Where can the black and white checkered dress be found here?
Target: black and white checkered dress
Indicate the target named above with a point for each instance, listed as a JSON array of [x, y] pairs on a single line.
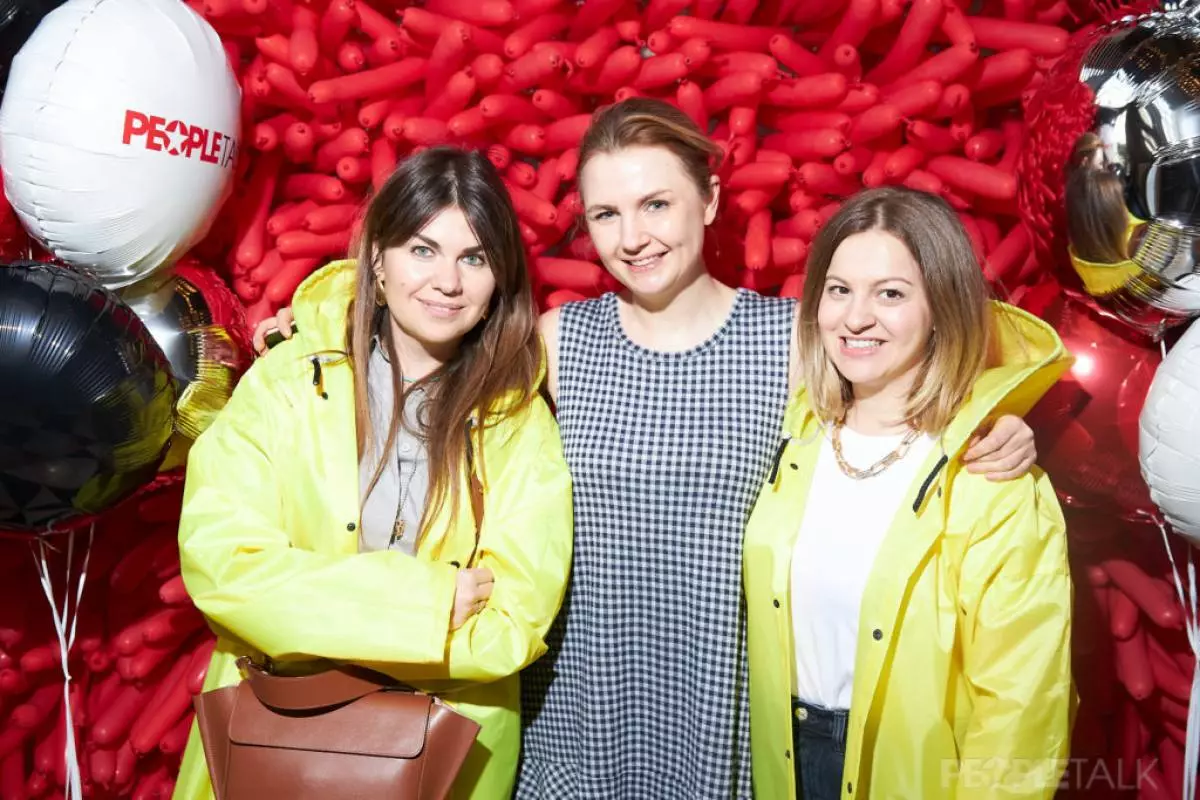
[[643, 695]]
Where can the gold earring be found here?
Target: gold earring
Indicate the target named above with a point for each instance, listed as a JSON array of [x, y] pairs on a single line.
[[380, 297]]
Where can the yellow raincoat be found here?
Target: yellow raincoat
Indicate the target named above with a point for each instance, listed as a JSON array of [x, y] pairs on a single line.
[[269, 546], [962, 679], [1100, 279]]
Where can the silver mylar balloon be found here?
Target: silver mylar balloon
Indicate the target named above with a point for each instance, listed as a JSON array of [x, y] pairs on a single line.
[[203, 356], [169, 314], [1133, 191]]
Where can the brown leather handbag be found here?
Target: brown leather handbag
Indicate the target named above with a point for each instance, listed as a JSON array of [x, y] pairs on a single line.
[[345, 732]]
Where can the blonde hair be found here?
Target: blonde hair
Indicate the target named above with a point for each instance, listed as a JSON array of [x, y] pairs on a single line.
[[646, 122], [958, 300]]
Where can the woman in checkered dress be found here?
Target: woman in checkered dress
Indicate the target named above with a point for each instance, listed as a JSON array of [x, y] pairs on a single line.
[[670, 399]]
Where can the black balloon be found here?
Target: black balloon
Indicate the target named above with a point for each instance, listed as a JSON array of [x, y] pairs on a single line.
[[18, 20], [86, 397]]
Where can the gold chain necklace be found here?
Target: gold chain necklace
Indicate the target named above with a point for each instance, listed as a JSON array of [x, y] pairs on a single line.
[[880, 465]]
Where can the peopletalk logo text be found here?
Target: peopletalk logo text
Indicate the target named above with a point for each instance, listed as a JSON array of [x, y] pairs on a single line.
[[178, 138]]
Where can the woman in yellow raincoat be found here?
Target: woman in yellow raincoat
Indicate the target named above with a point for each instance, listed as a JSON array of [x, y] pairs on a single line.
[[1099, 225], [301, 541], [909, 622]]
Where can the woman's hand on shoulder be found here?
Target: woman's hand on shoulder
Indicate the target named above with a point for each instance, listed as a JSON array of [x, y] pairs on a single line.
[[281, 323], [1005, 452]]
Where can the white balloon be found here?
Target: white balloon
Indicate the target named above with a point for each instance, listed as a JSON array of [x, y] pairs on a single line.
[[1169, 436], [119, 131]]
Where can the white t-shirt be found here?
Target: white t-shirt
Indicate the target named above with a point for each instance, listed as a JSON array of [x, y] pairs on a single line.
[[845, 521]]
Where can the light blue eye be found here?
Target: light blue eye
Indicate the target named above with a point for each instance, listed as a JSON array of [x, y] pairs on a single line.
[[421, 251], [474, 261]]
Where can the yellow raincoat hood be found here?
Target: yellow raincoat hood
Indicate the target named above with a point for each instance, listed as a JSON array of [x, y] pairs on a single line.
[[269, 544], [962, 684], [322, 302]]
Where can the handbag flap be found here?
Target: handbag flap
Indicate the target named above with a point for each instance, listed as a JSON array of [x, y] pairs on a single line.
[[388, 724]]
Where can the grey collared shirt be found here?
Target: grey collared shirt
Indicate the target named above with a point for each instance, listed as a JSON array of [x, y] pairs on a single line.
[[400, 491]]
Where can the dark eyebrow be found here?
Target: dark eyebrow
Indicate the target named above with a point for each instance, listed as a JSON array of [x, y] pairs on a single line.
[[879, 282], [470, 251], [644, 198]]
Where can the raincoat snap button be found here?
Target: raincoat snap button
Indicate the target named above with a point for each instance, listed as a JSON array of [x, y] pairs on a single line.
[[850, 788], [878, 634], [776, 602], [350, 526], [794, 466], [787, 753], [802, 714]]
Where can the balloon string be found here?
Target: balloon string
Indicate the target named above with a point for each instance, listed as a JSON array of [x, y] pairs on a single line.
[[87, 557], [1191, 754], [63, 621], [1192, 741]]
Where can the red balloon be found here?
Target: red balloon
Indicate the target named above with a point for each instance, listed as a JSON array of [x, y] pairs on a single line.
[[1087, 424], [15, 243]]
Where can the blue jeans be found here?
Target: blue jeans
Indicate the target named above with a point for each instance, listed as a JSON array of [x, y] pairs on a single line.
[[819, 742]]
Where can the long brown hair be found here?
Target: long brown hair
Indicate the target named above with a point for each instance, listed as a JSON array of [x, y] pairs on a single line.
[[496, 369], [958, 298], [1095, 198]]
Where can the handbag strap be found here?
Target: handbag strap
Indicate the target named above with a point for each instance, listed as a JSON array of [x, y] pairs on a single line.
[[476, 492], [477, 504], [301, 693]]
